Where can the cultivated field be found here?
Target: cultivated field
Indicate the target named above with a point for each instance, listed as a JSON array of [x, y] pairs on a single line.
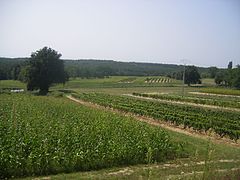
[[201, 100], [135, 129], [223, 123], [42, 135]]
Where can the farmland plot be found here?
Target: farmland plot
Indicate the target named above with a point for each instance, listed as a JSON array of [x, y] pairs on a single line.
[[47, 135], [158, 80], [198, 100], [221, 122]]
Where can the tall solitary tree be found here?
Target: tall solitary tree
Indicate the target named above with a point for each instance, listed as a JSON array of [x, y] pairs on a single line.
[[45, 68], [192, 75], [230, 64]]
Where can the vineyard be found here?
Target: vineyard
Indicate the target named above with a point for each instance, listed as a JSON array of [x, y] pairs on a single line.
[[47, 135], [222, 91], [221, 122], [197, 100], [158, 80]]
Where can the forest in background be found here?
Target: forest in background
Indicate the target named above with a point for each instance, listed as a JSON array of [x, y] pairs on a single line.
[[10, 68], [15, 68]]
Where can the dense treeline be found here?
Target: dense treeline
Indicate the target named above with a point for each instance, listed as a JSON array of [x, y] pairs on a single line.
[[11, 68], [229, 77], [101, 68], [14, 68]]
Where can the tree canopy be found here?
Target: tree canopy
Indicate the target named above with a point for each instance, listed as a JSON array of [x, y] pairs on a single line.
[[213, 71], [230, 77], [230, 64], [44, 69], [192, 75], [236, 77]]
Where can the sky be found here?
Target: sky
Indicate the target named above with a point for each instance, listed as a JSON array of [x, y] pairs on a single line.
[[198, 32]]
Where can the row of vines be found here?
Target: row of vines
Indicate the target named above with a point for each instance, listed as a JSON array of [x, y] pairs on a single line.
[[222, 122], [222, 91], [158, 80], [197, 100], [47, 135]]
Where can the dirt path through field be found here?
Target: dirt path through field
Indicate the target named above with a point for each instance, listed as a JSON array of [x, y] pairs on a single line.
[[186, 103], [169, 170], [159, 123]]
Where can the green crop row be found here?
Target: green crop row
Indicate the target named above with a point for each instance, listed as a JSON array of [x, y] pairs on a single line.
[[221, 91], [223, 123], [158, 80], [47, 135], [215, 102]]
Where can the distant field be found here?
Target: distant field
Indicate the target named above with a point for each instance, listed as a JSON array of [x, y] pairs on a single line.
[[11, 84], [209, 82], [117, 82], [161, 80]]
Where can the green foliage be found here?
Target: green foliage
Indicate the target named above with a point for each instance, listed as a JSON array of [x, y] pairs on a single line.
[[222, 122], [42, 135], [103, 68], [230, 78], [177, 75], [220, 78], [9, 68], [230, 64], [45, 68], [221, 91], [197, 100], [213, 71], [236, 77], [192, 75]]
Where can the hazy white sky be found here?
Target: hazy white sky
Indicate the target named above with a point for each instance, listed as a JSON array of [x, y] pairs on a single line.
[[205, 32]]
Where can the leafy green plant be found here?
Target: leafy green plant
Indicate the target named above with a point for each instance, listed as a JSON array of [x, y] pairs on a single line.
[[223, 123], [47, 135], [197, 100]]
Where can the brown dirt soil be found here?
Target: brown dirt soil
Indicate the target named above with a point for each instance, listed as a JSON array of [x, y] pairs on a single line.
[[187, 131]]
